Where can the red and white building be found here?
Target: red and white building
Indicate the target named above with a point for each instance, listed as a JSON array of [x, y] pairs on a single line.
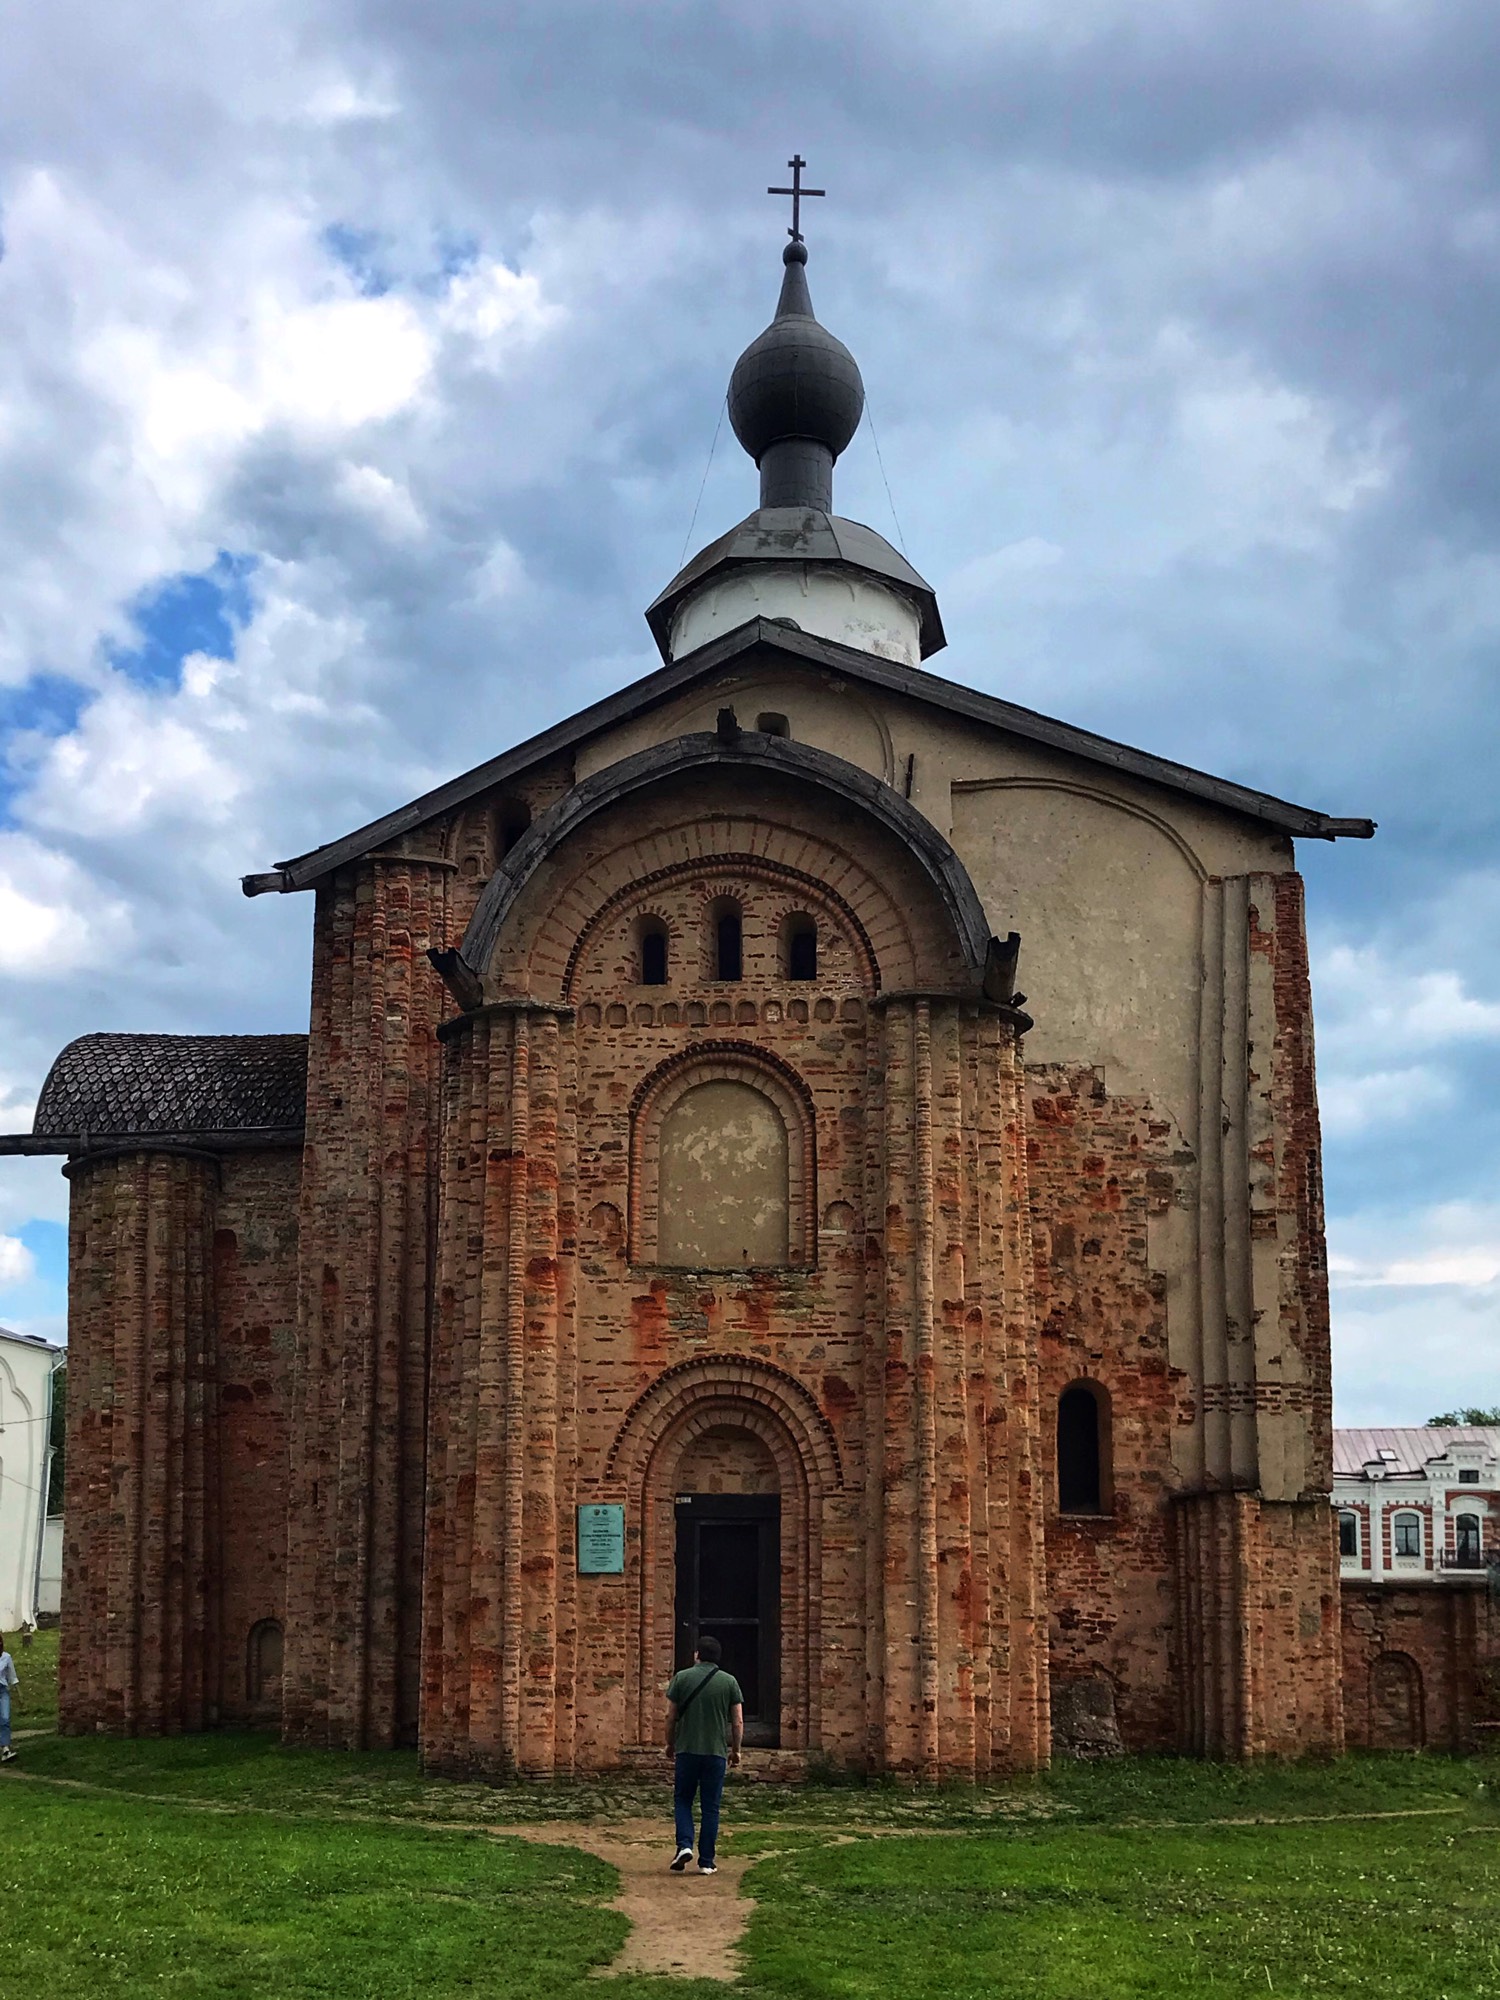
[[1419, 1566]]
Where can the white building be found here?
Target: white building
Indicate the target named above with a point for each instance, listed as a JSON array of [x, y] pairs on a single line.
[[26, 1366], [1416, 1505]]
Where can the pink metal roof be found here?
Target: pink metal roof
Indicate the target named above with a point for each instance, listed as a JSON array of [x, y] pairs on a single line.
[[1413, 1445]]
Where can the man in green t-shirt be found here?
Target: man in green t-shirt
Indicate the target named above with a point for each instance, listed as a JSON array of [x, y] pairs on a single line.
[[705, 1727]]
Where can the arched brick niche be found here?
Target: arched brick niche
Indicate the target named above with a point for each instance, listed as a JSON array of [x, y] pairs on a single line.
[[723, 1163], [700, 1408], [1397, 1720]]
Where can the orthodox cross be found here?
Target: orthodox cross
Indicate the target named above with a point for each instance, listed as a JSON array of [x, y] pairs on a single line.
[[797, 191]]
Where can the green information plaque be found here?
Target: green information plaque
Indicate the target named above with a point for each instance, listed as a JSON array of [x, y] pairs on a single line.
[[601, 1541]]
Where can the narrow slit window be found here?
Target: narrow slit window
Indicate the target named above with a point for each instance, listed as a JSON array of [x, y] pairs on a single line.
[[729, 942], [1080, 1485], [802, 949], [1348, 1534], [653, 954]]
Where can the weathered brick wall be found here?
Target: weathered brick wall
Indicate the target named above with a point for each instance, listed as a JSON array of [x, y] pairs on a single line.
[[140, 1611], [1294, 1365], [368, 1193], [1421, 1665], [357, 1502], [1257, 1669], [1100, 1167], [891, 1379], [255, 1299]]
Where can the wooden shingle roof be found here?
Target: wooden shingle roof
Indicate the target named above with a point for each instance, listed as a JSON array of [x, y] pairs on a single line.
[[216, 1090]]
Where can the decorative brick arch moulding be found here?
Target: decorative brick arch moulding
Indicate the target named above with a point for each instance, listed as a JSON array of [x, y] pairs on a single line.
[[748, 867], [724, 1062], [750, 755], [738, 1379], [728, 1392]]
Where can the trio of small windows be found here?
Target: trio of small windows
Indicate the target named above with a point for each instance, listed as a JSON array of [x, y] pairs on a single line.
[[799, 946]]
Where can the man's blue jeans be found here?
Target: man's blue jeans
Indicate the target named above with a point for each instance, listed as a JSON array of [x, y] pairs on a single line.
[[703, 1776], [5, 1721]]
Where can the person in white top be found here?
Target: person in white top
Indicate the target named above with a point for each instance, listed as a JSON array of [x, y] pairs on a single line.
[[8, 1684]]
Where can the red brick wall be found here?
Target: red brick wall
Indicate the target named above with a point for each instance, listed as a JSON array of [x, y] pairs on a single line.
[[892, 1382], [181, 1312], [1100, 1167], [1441, 1639], [255, 1299]]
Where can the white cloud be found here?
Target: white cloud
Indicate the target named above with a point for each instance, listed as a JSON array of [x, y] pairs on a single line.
[[1452, 1243], [377, 495], [1369, 1002], [53, 918], [490, 302], [17, 1265], [1356, 1104], [136, 760]]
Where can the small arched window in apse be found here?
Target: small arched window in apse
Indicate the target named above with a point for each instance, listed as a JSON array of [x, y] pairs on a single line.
[[728, 938], [801, 952], [1082, 1450], [770, 724], [653, 952]]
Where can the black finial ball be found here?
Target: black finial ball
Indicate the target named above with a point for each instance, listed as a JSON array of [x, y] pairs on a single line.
[[796, 380]]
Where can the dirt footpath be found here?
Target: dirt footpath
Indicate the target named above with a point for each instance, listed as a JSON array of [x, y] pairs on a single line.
[[688, 1925]]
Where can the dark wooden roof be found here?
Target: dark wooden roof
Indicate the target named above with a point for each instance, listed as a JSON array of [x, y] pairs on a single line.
[[209, 1090], [760, 634]]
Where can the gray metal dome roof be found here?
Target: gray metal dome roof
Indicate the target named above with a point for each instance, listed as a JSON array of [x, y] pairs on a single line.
[[799, 534], [795, 380]]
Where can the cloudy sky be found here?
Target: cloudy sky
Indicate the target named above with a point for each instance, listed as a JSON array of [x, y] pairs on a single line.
[[359, 365]]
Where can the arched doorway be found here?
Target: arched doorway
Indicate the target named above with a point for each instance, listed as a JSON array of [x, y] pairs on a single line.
[[724, 1431], [727, 1580], [1395, 1703]]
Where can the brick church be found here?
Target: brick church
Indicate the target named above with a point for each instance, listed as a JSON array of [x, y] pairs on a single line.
[[675, 1221]]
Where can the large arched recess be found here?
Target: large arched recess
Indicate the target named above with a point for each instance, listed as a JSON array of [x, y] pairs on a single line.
[[747, 773]]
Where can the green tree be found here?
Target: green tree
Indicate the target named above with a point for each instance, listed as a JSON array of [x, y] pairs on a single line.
[[58, 1438], [1452, 1419]]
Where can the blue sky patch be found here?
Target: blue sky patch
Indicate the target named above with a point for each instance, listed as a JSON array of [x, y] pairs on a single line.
[[358, 250], [40, 1304], [191, 613], [48, 705]]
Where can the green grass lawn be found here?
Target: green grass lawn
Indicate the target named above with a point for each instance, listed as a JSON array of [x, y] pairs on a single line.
[[35, 1706], [1112, 1882]]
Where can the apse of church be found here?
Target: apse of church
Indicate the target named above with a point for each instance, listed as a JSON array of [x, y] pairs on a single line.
[[686, 1227]]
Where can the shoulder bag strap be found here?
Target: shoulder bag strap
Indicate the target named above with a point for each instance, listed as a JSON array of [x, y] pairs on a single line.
[[693, 1693]]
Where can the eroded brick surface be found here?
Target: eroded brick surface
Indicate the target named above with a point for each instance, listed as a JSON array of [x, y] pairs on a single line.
[[361, 1391]]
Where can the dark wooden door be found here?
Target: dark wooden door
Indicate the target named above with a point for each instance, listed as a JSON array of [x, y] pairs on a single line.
[[729, 1589]]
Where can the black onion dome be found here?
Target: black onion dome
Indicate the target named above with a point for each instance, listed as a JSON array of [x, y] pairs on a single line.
[[796, 380]]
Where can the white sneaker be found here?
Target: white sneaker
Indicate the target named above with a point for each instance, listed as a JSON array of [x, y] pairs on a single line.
[[708, 1868], [684, 1856], [7, 1755]]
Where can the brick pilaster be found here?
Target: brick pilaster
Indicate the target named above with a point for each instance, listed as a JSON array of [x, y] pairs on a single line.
[[140, 1647]]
